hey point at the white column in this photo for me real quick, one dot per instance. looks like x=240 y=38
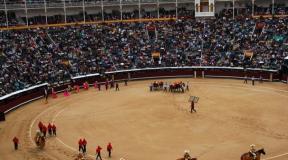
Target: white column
x=26 y=10
x=233 y=9
x=65 y=14
x=102 y=10
x=253 y=1
x=84 y=17
x=45 y=8
x=273 y=3
x=203 y=74
x=158 y=14
x=176 y=9
x=6 y=14
x=121 y=10
x=129 y=76
x=271 y=77
x=139 y=8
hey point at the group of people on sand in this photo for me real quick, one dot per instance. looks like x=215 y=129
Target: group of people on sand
x=97 y=85
x=82 y=143
x=167 y=86
x=51 y=128
x=40 y=133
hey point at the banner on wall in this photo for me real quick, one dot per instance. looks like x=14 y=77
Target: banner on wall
x=204 y=8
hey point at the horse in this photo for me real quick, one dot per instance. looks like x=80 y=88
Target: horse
x=177 y=87
x=158 y=85
x=40 y=141
x=248 y=155
x=188 y=159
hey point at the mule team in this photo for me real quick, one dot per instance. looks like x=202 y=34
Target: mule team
x=177 y=86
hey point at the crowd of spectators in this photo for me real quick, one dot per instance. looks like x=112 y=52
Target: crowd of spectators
x=55 y=54
x=279 y=9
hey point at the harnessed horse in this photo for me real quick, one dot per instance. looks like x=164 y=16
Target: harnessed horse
x=249 y=156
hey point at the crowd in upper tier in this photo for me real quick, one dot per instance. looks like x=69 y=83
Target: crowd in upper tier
x=34 y=56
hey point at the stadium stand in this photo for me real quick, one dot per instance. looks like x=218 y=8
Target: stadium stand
x=33 y=56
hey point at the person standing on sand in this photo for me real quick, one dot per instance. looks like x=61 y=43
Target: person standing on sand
x=98 y=152
x=50 y=129
x=117 y=87
x=80 y=145
x=245 y=79
x=54 y=129
x=109 y=149
x=192 y=107
x=84 y=143
x=16 y=143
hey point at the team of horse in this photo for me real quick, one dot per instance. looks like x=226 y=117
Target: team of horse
x=173 y=87
x=186 y=159
x=157 y=85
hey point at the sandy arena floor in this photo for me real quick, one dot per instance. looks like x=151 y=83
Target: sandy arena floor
x=144 y=125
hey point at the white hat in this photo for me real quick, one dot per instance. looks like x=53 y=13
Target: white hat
x=252 y=145
x=186 y=151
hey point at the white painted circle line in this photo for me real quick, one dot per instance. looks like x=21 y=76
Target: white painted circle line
x=280 y=155
x=33 y=122
x=66 y=145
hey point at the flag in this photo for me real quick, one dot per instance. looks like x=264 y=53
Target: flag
x=248 y=54
x=65 y=62
x=156 y=54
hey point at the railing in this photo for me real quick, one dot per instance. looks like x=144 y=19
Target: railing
x=41 y=4
x=19 y=98
x=16 y=99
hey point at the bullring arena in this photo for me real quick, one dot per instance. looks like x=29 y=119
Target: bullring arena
x=143 y=79
x=156 y=125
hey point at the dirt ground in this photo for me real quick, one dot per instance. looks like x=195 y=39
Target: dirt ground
x=144 y=125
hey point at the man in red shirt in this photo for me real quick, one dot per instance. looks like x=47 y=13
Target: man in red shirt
x=98 y=152
x=84 y=143
x=76 y=88
x=50 y=129
x=80 y=144
x=44 y=130
x=109 y=149
x=40 y=125
x=54 y=129
x=16 y=142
